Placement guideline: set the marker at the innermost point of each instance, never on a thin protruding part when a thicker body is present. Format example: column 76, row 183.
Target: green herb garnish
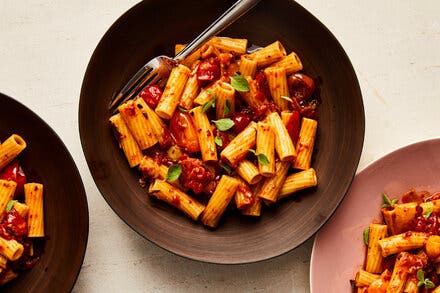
column 182, row 109
column 227, row 168
column 428, row 212
column 10, row 205
column 240, row 83
column 208, row 105
column 224, row 124
column 174, row 172
column 262, row 159
column 227, row 108
column 427, row 283
column 366, row 235
column 387, row 202
column 218, row 141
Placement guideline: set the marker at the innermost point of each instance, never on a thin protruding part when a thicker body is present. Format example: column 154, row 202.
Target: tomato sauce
column 208, row 71
column 195, row 175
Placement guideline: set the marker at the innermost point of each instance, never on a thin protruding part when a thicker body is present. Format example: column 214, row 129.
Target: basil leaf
column 10, row 205
column 218, row 141
column 420, row 276
column 208, row 105
column 240, row 83
column 227, row 168
column 428, row 212
column 224, row 124
column 429, row 284
column 262, row 159
column 287, row 98
column 387, row 202
column 366, row 236
column 174, row 172
column 227, row 108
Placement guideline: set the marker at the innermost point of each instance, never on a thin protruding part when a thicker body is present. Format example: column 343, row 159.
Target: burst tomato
column 184, row 131
column 151, row 95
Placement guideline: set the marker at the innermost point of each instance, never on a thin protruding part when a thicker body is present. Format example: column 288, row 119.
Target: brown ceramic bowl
column 152, row 28
column 46, row 160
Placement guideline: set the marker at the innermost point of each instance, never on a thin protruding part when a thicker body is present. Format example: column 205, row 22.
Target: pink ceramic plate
column 338, row 252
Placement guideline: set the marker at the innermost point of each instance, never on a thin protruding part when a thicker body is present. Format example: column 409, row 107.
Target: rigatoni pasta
column 221, row 143
column 402, row 253
column 10, row 148
column 21, row 213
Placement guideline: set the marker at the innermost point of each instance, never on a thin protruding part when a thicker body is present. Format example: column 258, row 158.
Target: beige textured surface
column 44, row 49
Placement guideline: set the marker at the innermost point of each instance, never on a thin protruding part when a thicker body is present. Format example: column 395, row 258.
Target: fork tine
column 143, row 83
column 134, row 80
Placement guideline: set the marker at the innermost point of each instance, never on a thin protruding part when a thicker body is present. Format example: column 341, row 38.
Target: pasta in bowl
column 21, row 221
column 59, row 234
column 122, row 51
column 228, row 126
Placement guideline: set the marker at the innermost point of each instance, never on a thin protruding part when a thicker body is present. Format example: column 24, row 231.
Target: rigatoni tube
column 138, row 125
column 10, row 149
column 374, row 256
column 402, row 242
column 248, row 171
column 158, row 127
column 219, row 200
column 12, row 249
column 7, row 189
column 204, row 134
column 272, row 185
column 277, row 81
column 239, row 147
column 177, row 198
column 173, row 91
column 229, row 45
column 126, row 141
column 306, row 142
column 190, row 92
column 269, row 54
column 248, row 66
column 291, row 63
column 225, row 103
column 298, row 181
column 266, row 147
column 283, row 143
column 33, row 194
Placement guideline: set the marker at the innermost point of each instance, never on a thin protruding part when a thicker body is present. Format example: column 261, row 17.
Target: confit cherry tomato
column 301, row 85
column 208, row 71
column 14, row 172
column 241, row 120
column 151, row 95
column 184, row 131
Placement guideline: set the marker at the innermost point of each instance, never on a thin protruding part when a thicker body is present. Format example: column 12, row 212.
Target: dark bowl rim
column 82, row 101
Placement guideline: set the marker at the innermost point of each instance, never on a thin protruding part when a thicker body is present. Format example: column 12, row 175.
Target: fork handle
column 227, row 18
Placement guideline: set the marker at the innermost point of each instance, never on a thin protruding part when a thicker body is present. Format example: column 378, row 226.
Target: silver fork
column 157, row 70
